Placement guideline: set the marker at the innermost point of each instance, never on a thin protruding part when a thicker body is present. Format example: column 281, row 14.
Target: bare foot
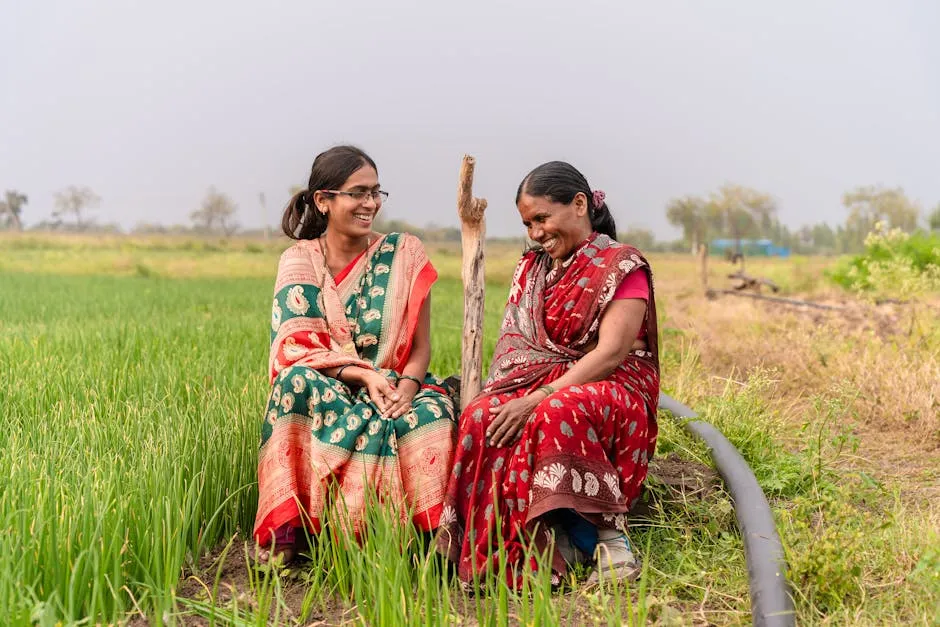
column 280, row 556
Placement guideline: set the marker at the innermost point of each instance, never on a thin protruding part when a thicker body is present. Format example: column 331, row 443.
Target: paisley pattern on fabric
column 321, row 438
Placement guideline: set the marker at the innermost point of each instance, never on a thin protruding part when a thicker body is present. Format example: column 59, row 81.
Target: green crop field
column 132, row 387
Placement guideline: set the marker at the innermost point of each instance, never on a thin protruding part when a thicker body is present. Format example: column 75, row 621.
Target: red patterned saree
column 586, row 447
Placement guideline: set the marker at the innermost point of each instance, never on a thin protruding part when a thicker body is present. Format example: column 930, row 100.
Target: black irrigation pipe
column 771, row 602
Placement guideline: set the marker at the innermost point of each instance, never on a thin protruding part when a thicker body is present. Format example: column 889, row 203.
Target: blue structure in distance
column 750, row 248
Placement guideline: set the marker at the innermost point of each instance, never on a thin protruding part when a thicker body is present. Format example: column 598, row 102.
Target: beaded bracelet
column 410, row 378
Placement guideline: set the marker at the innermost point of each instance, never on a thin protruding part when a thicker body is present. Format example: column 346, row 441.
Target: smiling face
column 555, row 226
column 347, row 215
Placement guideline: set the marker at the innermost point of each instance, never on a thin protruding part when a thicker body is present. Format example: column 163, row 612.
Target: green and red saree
column 320, row 437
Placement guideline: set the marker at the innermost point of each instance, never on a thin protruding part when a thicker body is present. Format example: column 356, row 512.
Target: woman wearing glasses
column 352, row 410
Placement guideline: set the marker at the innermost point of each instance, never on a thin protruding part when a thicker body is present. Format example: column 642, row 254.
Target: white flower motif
column 311, row 406
column 272, row 416
column 361, row 442
column 298, row 382
column 352, row 422
column 448, row 515
column 276, row 396
column 275, row 316
column 296, row 301
column 550, row 479
column 337, row 435
column 387, row 248
column 575, row 480
column 317, row 422
column 374, row 427
column 314, row 395
column 372, row 314
column 309, row 374
column 329, row 395
column 591, row 486
column 330, row 418
column 435, row 410
column 611, row 480
column 287, row 402
column 381, row 268
column 376, row 291
column 412, row 419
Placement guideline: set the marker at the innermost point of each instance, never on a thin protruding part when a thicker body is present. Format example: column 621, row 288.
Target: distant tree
column 11, row 209
column 215, row 214
column 688, row 213
column 639, row 237
column 816, row 238
column 870, row 204
column 739, row 212
column 73, row 202
column 933, row 219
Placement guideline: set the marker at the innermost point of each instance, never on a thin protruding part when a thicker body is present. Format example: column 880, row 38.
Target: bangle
column 410, row 378
column 340, row 371
column 549, row 390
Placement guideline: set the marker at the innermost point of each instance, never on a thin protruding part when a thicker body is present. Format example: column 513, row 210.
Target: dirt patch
column 686, row 478
column 674, row 482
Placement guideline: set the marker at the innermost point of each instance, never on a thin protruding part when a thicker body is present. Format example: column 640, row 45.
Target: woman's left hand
column 407, row 389
column 509, row 419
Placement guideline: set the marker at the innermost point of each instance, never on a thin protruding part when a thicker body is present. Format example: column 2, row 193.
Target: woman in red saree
column 352, row 409
column 555, row 448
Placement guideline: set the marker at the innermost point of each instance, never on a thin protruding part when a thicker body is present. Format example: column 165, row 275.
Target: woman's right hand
column 381, row 391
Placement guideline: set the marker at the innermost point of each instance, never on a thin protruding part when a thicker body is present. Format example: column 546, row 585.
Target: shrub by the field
column 894, row 264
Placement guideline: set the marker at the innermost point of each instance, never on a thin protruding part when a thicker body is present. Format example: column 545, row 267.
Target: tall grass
column 130, row 411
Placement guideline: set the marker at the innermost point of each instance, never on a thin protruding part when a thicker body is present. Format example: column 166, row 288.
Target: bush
column 894, row 264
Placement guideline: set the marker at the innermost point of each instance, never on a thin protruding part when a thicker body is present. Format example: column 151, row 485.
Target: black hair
column 561, row 182
column 331, row 168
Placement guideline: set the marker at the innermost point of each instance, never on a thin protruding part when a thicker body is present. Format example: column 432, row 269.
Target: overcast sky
column 150, row 103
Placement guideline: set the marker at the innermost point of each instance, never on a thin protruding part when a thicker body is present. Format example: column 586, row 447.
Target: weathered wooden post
column 472, row 235
column 703, row 266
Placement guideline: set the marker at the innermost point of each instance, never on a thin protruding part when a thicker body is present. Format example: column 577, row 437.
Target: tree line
column 734, row 212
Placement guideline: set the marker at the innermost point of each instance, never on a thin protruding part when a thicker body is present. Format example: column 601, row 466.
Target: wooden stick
column 472, row 235
column 774, row 299
column 703, row 265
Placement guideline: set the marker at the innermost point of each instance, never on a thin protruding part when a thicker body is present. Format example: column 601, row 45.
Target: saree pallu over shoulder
column 313, row 320
column 321, row 438
column 553, row 314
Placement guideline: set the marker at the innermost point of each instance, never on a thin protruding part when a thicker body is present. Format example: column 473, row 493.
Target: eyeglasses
column 378, row 196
